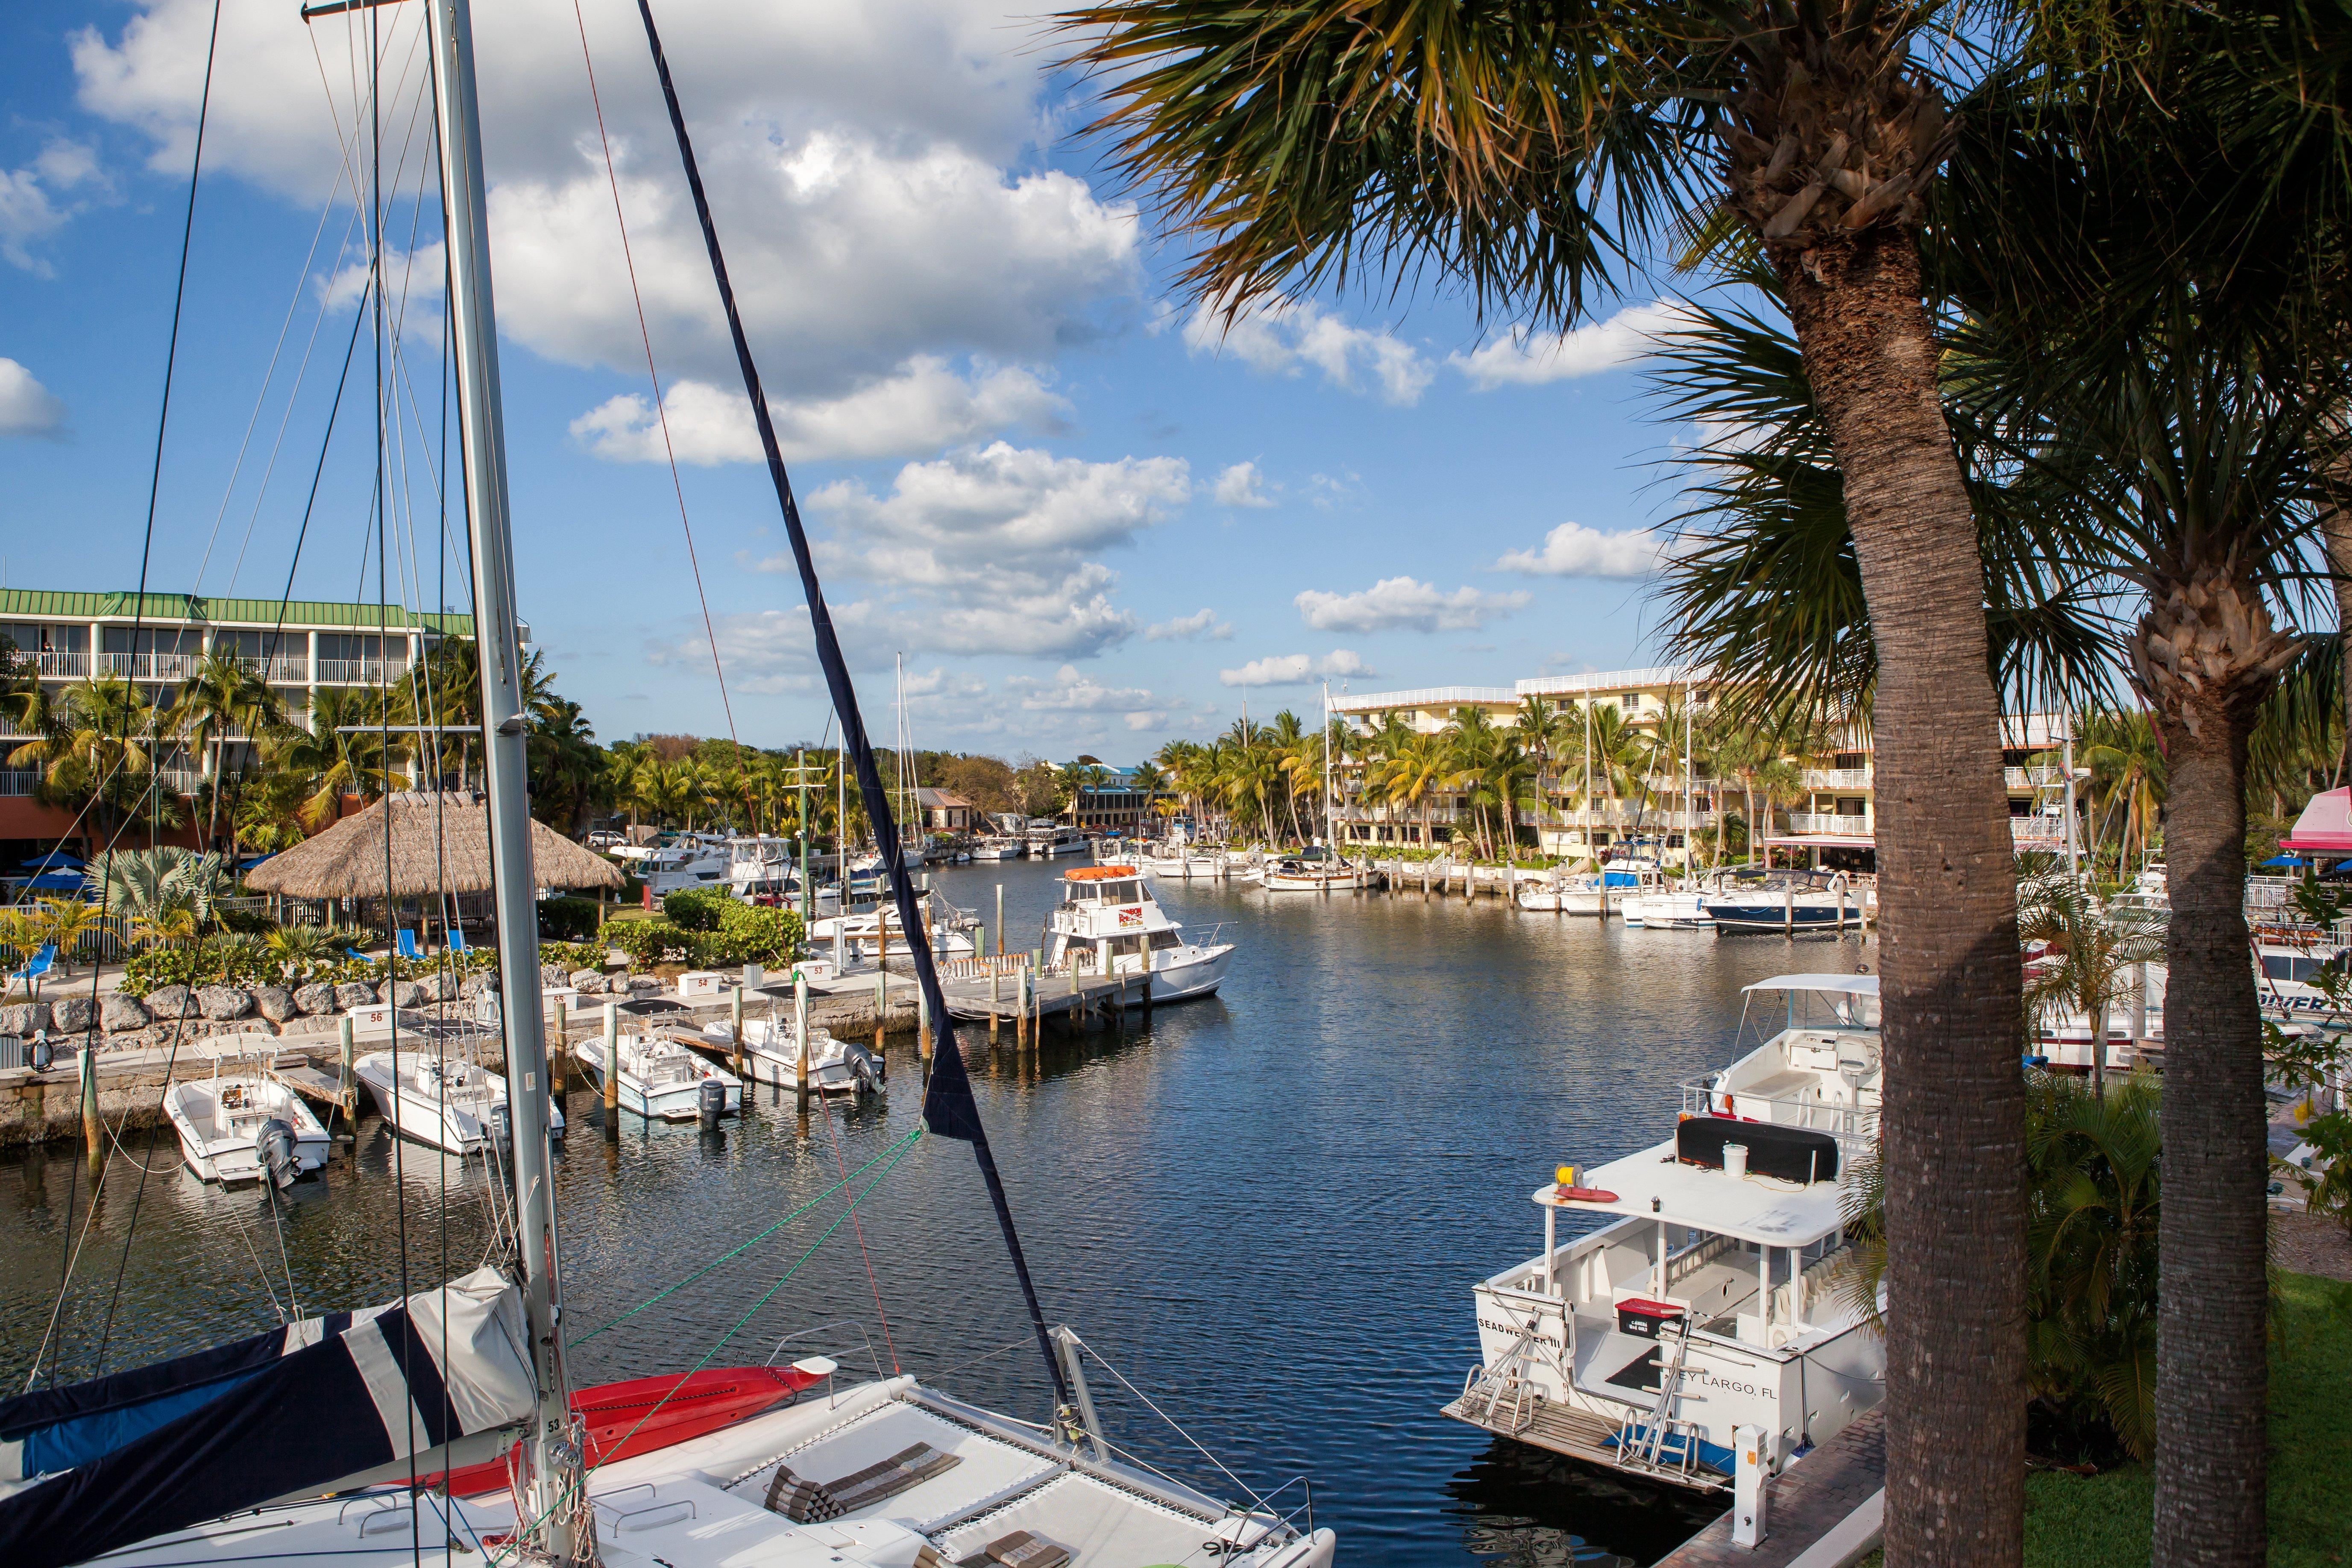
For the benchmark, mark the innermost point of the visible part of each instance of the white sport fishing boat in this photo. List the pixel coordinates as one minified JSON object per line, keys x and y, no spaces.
{"x":1049,"y":840}
{"x":244,"y":1128}
{"x":448,"y":1103}
{"x":661,"y":1079}
{"x":772,"y":1056}
{"x":997,"y":849}
{"x":1709,"y":1297}
{"x":1110,"y":922}
{"x":443,"y":1426}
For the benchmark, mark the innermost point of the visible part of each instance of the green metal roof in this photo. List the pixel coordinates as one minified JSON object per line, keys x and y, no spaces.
{"x":173,"y":609}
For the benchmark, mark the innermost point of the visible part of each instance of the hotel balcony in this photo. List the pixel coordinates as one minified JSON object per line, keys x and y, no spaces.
{"x":150,"y":666}
{"x":2038,"y":832}
{"x":359,"y":671}
{"x":2033,"y":778}
{"x":19,"y":781}
{"x":53,"y":666}
{"x":1837,"y":778}
{"x":1824,"y":821}
{"x":290,"y":669}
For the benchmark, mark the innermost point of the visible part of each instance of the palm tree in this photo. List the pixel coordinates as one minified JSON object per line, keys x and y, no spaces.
{"x":96,"y":746}
{"x":226,"y":694}
{"x":2084,"y":951}
{"x":1413,"y":773}
{"x":349,"y":749}
{"x":1311,"y":144}
{"x":2128,"y":773}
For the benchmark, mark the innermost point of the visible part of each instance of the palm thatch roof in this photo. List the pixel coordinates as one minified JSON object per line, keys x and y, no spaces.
{"x":438,"y":843}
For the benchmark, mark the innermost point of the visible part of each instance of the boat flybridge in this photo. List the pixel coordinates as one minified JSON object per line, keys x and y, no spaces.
{"x":1709,"y":1297}
{"x":1110,"y":922}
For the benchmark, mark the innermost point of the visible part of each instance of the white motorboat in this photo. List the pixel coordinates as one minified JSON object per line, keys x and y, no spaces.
{"x":661,"y":1079}
{"x":1110,"y":922}
{"x":858,"y":932}
{"x":450,"y":1103}
{"x":1169,"y":862}
{"x":1315,"y":870}
{"x":695,"y":860}
{"x":995,"y":848}
{"x":1598,"y":892}
{"x":771,"y":1055}
{"x":1789,"y":901}
{"x":244,"y":1127}
{"x":1049,"y":840}
{"x":1666,"y":909}
{"x":1710,"y":1296}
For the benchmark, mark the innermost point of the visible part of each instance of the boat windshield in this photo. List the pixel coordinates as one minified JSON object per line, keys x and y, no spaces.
{"x":1809,"y":1001}
{"x":1122,"y":892}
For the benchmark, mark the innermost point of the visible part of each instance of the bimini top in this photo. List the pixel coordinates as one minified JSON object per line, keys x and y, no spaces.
{"x":1845,"y":985}
{"x":1098,"y":873}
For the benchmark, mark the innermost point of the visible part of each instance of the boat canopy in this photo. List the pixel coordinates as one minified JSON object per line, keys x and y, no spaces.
{"x":1749,"y":1208}
{"x":154,"y":1449}
{"x":2325,"y":825}
{"x":1842,"y":984}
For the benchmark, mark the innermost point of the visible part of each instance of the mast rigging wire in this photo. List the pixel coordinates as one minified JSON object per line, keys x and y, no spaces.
{"x":949,"y":1108}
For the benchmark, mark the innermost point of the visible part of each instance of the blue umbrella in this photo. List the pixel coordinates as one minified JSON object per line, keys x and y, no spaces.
{"x":55,"y":882}
{"x":2286,"y":860}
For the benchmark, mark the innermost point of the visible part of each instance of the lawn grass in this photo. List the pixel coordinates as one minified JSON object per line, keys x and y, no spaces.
{"x":2102,"y":1520}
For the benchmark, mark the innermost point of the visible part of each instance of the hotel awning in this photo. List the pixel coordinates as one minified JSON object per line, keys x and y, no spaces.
{"x":2325,"y":825}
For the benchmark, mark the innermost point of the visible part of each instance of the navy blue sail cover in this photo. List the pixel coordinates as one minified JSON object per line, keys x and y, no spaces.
{"x":192,"y":1439}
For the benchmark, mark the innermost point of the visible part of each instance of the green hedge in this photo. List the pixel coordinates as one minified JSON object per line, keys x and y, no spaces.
{"x":568,"y":919}
{"x":572,"y":955}
{"x":245,"y":961}
{"x":696,"y":909}
{"x":741,"y":933}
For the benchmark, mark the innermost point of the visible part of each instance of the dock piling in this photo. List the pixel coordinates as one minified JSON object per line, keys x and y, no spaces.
{"x":347,"y":1087}
{"x":1000,"y":919}
{"x":93,"y":1131}
{"x":881,"y":1009}
{"x":611,"y":1070}
{"x":995,"y":998}
{"x":735,"y":1020}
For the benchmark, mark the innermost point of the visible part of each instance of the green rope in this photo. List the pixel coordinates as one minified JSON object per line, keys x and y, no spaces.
{"x":728,"y":1257}
{"x":896,"y":1151}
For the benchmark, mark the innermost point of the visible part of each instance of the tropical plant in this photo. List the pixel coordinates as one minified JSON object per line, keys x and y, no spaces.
{"x":351,"y":747}
{"x":95,"y":745}
{"x":64,"y":923}
{"x":225,"y":694}
{"x":155,"y":887}
{"x":2079,"y":952}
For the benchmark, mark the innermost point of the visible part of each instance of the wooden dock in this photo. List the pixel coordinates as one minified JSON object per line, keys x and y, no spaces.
{"x":1822,"y":1512}
{"x":1562,"y":1429}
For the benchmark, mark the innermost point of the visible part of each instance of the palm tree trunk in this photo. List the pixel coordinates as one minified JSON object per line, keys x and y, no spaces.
{"x":2211,"y":1371}
{"x":1747,"y":789}
{"x":1954,"y":1118}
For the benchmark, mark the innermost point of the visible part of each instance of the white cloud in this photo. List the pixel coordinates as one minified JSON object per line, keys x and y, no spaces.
{"x":987,"y":550}
{"x":29,"y":205}
{"x":1072,"y":693}
{"x":1201,"y":626}
{"x":26,"y":407}
{"x":859,"y":158}
{"x":1282,"y":339}
{"x":921,"y":408}
{"x":1572,"y":550}
{"x":1241,"y":485}
{"x":1527,"y":358}
{"x":1401,"y":604}
{"x":1294,"y":669}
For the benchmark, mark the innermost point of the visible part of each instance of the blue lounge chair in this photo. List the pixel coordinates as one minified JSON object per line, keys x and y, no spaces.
{"x":407,"y":945}
{"x":43,"y":962}
{"x":458,"y":938}
{"x":355,"y":952}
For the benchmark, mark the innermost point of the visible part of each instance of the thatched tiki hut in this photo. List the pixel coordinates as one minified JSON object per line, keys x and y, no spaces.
{"x":420,"y":846}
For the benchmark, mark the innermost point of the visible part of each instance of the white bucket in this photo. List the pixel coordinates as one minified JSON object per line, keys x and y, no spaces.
{"x":1735,"y":1159}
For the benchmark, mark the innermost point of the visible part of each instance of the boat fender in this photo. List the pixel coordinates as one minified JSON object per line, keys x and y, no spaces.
{"x":274,"y":1144}
{"x":1778,"y":1336}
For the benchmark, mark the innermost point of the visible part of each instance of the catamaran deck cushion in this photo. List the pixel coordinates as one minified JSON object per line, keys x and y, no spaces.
{"x":875,"y":1483}
{"x":395,"y":1382}
{"x":1790,"y":1153}
{"x":800,"y":1500}
{"x":1023,"y":1549}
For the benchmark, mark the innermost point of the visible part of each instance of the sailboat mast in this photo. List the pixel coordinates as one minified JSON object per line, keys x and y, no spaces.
{"x":505,"y":758}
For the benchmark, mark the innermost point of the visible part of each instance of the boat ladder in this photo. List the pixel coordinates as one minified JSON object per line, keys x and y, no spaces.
{"x":1659,"y":1443}
{"x":1500,"y":1399}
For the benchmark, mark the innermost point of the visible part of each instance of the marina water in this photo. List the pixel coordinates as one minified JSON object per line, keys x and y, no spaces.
{"x":1266,"y":1210}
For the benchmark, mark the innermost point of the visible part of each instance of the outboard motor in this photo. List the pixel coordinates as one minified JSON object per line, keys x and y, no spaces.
{"x":502,"y":1125}
{"x":274,"y":1144}
{"x":867,"y":1072}
{"x":712,"y":1104}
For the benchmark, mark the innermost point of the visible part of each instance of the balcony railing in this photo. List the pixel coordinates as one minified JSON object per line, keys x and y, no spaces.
{"x":150,"y":666}
{"x":2040,"y":832}
{"x":359,"y":671}
{"x":19,"y":781}
{"x":2032,"y":778}
{"x":1825,"y":822}
{"x":178,"y":781}
{"x":53,"y":666}
{"x":290,"y":668}
{"x":1837,"y":778}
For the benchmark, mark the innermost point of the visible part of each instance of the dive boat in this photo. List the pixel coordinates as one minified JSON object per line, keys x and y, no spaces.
{"x":1714,"y":1293}
{"x":1110,"y":922}
{"x":661,"y":1079}
{"x":695,"y":860}
{"x":1788,"y":901}
{"x":772,"y":1056}
{"x":244,"y":1128}
{"x":450,"y":1103}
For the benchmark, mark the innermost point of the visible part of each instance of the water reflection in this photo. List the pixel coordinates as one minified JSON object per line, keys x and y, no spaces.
{"x":1267,"y":1209}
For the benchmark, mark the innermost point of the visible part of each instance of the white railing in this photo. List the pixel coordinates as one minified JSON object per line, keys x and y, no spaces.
{"x":1837,"y":778}
{"x":2040,"y":832}
{"x":2032,"y":778}
{"x":290,"y":668}
{"x":359,"y":671}
{"x":19,"y":781}
{"x":53,"y":666}
{"x":179,"y":781}
{"x":1825,"y":822}
{"x":150,"y":666}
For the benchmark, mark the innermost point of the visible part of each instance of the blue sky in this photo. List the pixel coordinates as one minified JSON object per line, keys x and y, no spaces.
{"x":1086,"y":520}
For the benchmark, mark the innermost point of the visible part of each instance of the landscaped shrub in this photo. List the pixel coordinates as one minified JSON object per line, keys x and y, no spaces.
{"x":743,"y":933}
{"x":572,"y":955}
{"x":568,"y":919}
{"x":696,"y":909}
{"x":248,"y":961}
{"x":646,"y":943}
